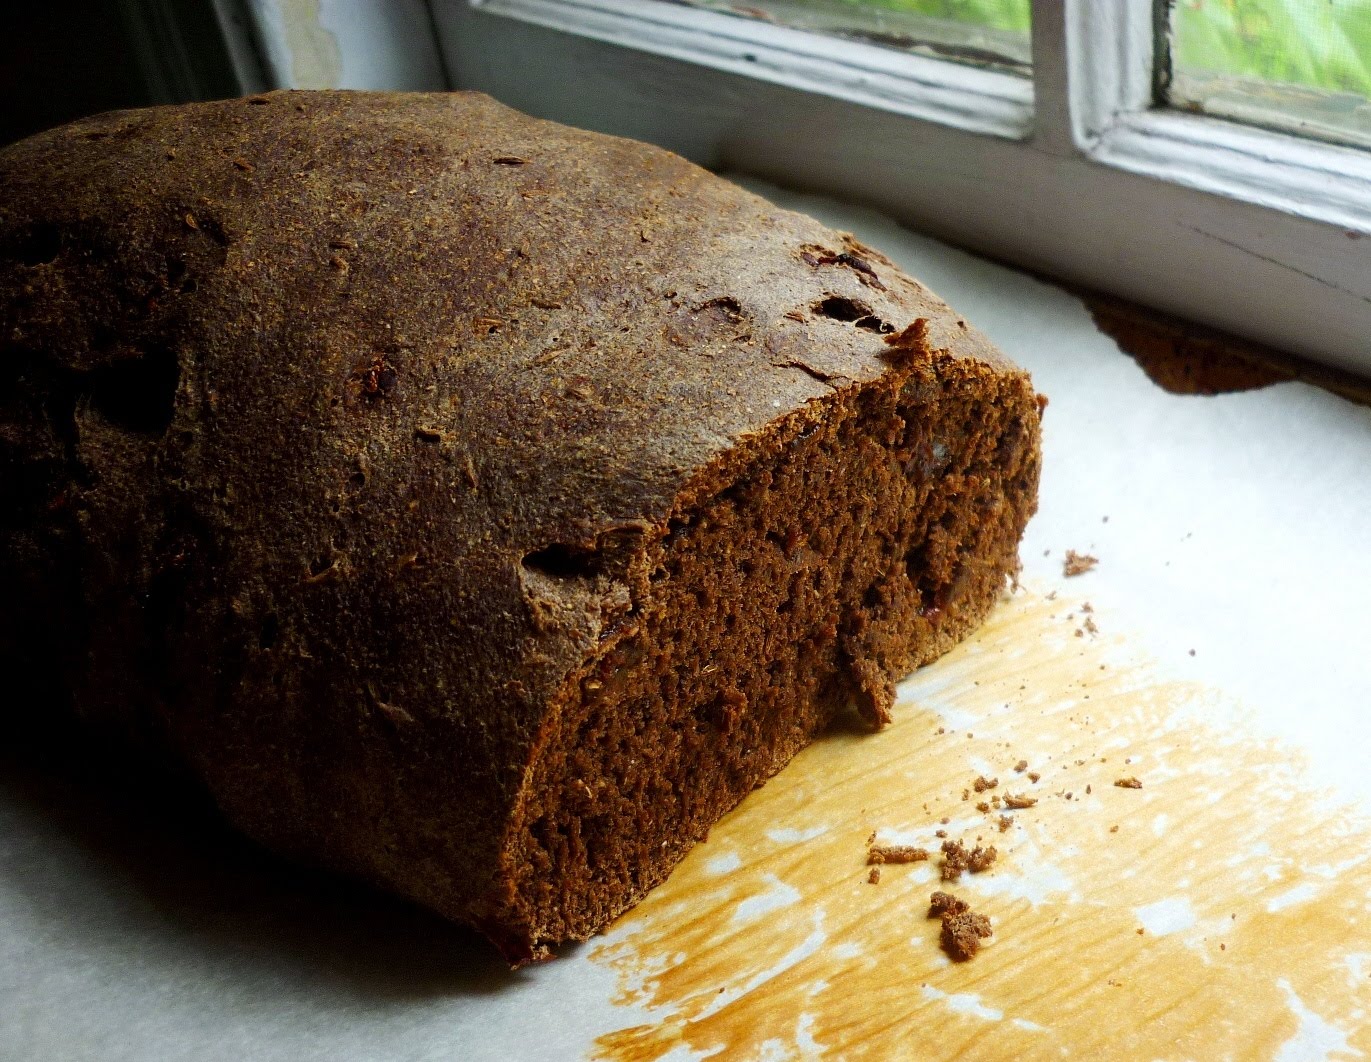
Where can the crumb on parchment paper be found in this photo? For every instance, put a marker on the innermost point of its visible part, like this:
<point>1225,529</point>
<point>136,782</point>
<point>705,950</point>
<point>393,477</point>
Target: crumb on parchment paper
<point>958,858</point>
<point>963,929</point>
<point>1078,563</point>
<point>895,853</point>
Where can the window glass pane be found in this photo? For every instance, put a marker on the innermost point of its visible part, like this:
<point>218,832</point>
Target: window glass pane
<point>990,33</point>
<point>1299,65</point>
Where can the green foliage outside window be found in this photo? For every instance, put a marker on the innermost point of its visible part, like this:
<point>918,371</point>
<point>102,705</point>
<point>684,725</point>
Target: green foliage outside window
<point>1321,44</point>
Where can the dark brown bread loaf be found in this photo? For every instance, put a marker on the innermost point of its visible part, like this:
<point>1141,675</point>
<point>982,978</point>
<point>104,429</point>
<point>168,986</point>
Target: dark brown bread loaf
<point>476,505</point>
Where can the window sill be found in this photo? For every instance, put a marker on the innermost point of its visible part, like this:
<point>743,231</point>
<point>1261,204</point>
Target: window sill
<point>969,98</point>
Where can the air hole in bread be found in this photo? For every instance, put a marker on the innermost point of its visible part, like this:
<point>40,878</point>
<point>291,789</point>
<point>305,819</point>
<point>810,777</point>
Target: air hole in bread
<point>726,307</point>
<point>841,308</point>
<point>562,561</point>
<point>852,311</point>
<point>137,394</point>
<point>39,246</point>
<point>177,279</point>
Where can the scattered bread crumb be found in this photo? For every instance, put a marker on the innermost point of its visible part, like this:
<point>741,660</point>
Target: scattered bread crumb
<point>1005,823</point>
<point>1033,776</point>
<point>1128,783</point>
<point>943,904</point>
<point>982,783</point>
<point>895,853</point>
<point>1078,563</point>
<point>958,858</point>
<point>1012,800</point>
<point>963,929</point>
<point>874,876</point>
<point>1021,766</point>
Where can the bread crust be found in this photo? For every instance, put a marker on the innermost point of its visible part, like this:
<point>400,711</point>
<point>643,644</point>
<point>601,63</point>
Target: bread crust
<point>297,385</point>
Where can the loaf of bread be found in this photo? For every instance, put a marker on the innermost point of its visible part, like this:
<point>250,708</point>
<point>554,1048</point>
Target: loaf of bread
<point>476,505</point>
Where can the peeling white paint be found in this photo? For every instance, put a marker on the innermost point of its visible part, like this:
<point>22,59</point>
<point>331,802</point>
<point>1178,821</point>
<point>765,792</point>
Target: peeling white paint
<point>358,44</point>
<point>298,51</point>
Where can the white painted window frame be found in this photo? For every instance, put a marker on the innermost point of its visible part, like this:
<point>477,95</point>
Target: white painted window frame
<point>1102,56</point>
<point>1074,173</point>
<point>914,86</point>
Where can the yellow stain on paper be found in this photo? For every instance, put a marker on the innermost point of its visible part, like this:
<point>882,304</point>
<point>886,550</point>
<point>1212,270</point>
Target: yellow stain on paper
<point>1227,916</point>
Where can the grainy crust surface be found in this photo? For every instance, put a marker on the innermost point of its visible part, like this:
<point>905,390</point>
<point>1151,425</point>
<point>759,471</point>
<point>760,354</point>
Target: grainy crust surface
<point>310,399</point>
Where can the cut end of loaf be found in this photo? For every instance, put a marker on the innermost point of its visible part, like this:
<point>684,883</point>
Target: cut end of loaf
<point>852,544</point>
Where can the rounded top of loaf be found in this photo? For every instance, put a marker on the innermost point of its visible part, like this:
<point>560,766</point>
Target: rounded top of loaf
<point>558,329</point>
